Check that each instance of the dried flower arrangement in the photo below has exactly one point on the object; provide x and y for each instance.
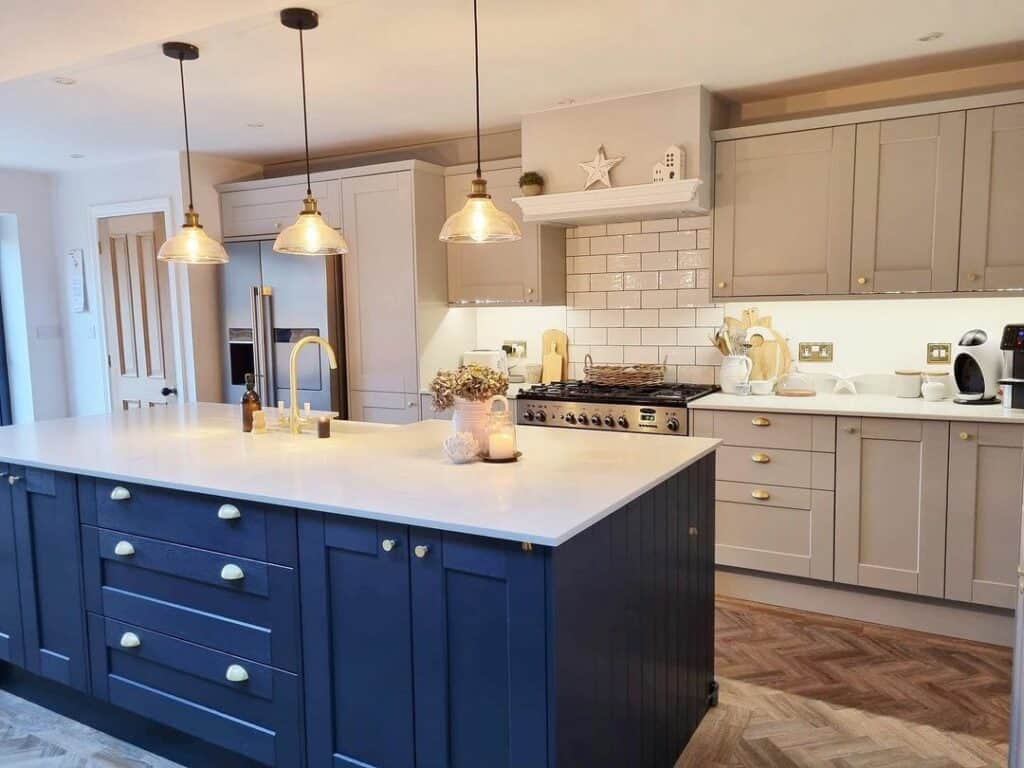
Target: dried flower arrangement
(470, 382)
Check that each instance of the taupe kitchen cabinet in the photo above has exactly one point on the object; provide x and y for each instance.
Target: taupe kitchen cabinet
(906, 204)
(529, 271)
(983, 519)
(891, 504)
(992, 229)
(782, 213)
(394, 278)
(775, 474)
(267, 206)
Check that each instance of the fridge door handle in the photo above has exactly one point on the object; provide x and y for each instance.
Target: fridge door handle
(267, 335)
(256, 309)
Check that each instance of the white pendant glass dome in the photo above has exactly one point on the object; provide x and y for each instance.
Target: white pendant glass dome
(310, 235)
(480, 221)
(191, 245)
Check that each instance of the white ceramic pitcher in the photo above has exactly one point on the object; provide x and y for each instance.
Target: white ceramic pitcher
(735, 370)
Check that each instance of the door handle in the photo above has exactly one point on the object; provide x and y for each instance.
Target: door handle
(228, 512)
(760, 494)
(168, 391)
(761, 421)
(130, 640)
(236, 673)
(388, 544)
(232, 572)
(760, 458)
(120, 493)
(13, 479)
(421, 550)
(124, 549)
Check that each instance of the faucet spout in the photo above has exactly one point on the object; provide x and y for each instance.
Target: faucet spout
(293, 383)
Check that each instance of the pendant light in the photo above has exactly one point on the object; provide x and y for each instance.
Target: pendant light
(310, 235)
(191, 245)
(480, 220)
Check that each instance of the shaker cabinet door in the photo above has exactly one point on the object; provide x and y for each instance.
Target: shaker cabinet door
(782, 214)
(11, 648)
(49, 554)
(983, 528)
(357, 642)
(992, 228)
(479, 651)
(891, 504)
(906, 205)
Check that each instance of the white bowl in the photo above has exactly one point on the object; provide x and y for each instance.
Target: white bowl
(762, 386)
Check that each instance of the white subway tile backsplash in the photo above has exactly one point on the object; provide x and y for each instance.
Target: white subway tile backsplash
(694, 259)
(624, 336)
(676, 318)
(623, 262)
(703, 238)
(577, 318)
(606, 354)
(694, 337)
(577, 352)
(694, 297)
(590, 264)
(575, 283)
(703, 278)
(656, 299)
(609, 244)
(678, 241)
(695, 222)
(707, 356)
(570, 233)
(659, 225)
(606, 281)
(577, 247)
(638, 243)
(588, 336)
(657, 261)
(658, 337)
(606, 318)
(696, 374)
(640, 355)
(624, 228)
(711, 316)
(624, 300)
(589, 301)
(677, 355)
(640, 281)
(680, 278)
(641, 317)
(590, 230)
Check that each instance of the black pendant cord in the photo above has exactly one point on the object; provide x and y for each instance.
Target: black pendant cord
(476, 60)
(188, 152)
(305, 119)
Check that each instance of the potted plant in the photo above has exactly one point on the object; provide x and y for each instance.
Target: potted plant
(470, 390)
(531, 183)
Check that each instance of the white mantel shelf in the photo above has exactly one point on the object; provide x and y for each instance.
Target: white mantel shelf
(641, 201)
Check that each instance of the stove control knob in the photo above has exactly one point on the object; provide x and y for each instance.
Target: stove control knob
(609, 421)
(541, 417)
(528, 416)
(672, 424)
(584, 420)
(621, 421)
(570, 418)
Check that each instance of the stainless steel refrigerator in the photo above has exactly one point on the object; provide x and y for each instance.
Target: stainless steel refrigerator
(269, 301)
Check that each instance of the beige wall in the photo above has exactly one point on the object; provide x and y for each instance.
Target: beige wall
(637, 128)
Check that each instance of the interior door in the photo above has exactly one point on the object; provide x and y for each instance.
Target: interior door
(137, 310)
(906, 205)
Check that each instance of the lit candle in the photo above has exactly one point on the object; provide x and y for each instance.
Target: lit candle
(501, 445)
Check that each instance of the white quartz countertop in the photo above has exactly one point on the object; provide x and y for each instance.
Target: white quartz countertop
(564, 482)
(887, 406)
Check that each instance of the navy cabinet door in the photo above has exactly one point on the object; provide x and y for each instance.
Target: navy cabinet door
(11, 648)
(49, 557)
(479, 618)
(357, 642)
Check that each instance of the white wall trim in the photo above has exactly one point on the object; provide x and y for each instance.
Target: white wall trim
(181, 322)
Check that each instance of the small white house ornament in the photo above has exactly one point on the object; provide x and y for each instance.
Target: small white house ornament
(672, 166)
(599, 168)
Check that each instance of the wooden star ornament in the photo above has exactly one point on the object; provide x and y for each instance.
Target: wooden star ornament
(599, 168)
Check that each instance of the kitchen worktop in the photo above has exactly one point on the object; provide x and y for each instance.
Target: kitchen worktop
(883, 406)
(565, 481)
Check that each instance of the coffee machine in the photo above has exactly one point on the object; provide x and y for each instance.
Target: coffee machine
(977, 368)
(1012, 346)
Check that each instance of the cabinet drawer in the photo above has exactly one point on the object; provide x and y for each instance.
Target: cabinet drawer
(248, 529)
(186, 686)
(180, 591)
(776, 430)
(761, 465)
(763, 495)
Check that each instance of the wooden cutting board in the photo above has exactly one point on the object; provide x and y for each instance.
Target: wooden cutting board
(556, 341)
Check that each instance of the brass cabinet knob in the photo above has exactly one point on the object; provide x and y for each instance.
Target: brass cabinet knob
(421, 550)
(972, 276)
(388, 544)
(693, 530)
(965, 436)
(850, 430)
(761, 421)
(722, 283)
(760, 458)
(760, 494)
(862, 280)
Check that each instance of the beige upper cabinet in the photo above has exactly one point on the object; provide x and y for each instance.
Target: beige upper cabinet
(906, 205)
(260, 211)
(992, 230)
(891, 504)
(983, 527)
(529, 271)
(782, 214)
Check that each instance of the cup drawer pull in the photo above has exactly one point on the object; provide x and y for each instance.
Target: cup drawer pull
(236, 673)
(120, 493)
(130, 640)
(232, 572)
(228, 512)
(760, 494)
(761, 421)
(124, 549)
(760, 458)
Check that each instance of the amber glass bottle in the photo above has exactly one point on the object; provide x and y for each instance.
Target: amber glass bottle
(250, 402)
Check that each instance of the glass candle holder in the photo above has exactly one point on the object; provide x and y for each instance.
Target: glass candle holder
(501, 431)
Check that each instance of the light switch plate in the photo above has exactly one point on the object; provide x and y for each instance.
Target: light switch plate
(815, 351)
(939, 353)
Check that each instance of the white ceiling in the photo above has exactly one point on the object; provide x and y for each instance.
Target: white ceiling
(387, 72)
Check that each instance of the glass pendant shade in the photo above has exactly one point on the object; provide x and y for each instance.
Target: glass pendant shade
(310, 235)
(192, 245)
(480, 220)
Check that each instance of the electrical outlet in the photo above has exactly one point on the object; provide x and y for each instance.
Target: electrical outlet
(939, 353)
(815, 351)
(518, 348)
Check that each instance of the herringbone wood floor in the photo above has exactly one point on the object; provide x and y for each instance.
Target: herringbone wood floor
(801, 689)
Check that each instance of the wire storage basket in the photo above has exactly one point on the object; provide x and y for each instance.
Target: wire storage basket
(637, 374)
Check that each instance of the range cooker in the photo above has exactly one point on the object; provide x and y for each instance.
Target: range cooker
(656, 408)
